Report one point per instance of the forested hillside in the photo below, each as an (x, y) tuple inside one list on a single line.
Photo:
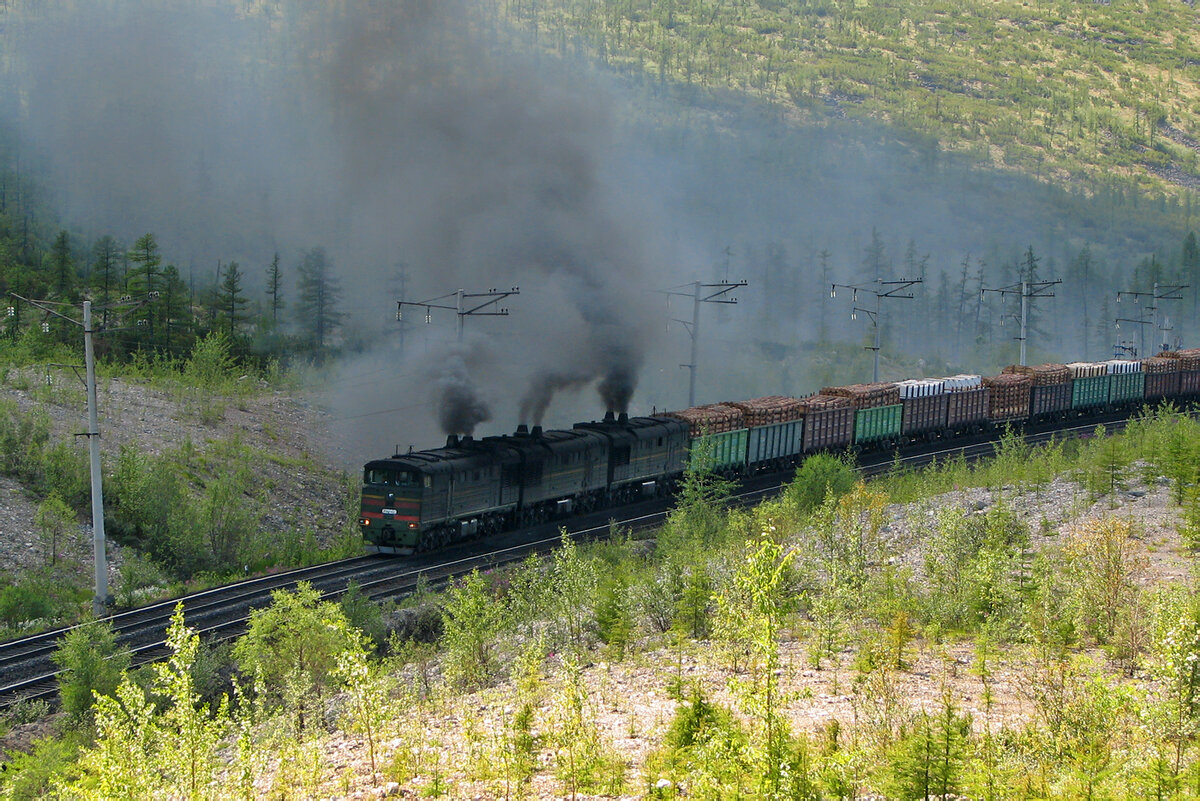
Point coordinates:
[(1090, 94)]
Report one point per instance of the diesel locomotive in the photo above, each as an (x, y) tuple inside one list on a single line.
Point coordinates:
[(424, 500)]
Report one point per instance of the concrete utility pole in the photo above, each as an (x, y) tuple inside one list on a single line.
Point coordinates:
[(896, 292), (461, 306), (701, 293), (1028, 290), (1158, 293), (101, 598)]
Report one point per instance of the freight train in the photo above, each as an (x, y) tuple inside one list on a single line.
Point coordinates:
[(423, 500)]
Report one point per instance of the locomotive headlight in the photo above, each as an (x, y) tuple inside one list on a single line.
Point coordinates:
[(362, 521), (412, 525)]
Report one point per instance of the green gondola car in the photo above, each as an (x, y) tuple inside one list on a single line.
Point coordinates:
[(1126, 387), (727, 451), (878, 424), (1090, 392)]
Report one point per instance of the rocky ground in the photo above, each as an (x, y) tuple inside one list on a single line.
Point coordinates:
[(287, 432)]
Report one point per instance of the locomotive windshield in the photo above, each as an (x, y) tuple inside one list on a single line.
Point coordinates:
[(391, 478)]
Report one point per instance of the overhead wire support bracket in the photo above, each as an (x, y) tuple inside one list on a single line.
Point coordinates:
[(890, 289), (1027, 290), (700, 293), (461, 306)]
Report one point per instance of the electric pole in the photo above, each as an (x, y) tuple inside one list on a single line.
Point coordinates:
[(1028, 290), (1159, 292), (701, 293), (101, 599), (466, 304), (896, 292)]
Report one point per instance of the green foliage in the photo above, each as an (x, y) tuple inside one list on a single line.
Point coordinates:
[(614, 615), (366, 690), (703, 749), (290, 649), (845, 534), (1102, 567), (141, 752), (54, 523), (584, 761), (66, 475), (33, 775), (91, 664), (751, 609), (22, 438), (364, 614), (698, 518), (1105, 464), (974, 564), (571, 586), (471, 619), (927, 760), (821, 476), (210, 365)]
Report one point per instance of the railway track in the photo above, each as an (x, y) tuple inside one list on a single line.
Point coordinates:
[(27, 671)]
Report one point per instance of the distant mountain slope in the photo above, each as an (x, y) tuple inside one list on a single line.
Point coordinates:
[(1079, 93)]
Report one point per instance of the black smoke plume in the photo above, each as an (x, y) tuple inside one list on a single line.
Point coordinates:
[(459, 406)]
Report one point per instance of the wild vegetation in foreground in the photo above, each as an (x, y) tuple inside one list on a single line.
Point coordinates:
[(1022, 628)]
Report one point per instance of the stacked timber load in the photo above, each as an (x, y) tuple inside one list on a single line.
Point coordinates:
[(1189, 358), (769, 410), (1009, 395), (1162, 377), (921, 387), (962, 382), (716, 418), (1043, 375), (1087, 369), (1160, 364), (867, 396), (823, 403), (1051, 392)]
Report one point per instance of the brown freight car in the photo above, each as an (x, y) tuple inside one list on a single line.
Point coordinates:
[(1009, 396), (828, 422)]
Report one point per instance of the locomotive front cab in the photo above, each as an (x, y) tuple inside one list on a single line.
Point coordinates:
[(390, 513)]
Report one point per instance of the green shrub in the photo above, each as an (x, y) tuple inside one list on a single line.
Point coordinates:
[(66, 473), (820, 476), (22, 438), (91, 663), (471, 619), (364, 614), (291, 649), (23, 602), (52, 760)]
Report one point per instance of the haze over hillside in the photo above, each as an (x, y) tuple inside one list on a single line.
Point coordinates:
[(465, 145)]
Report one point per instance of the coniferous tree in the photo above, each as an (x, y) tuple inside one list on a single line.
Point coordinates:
[(144, 283), (61, 267), (317, 302), (275, 289), (60, 280), (231, 302), (106, 278), (1189, 263), (176, 312)]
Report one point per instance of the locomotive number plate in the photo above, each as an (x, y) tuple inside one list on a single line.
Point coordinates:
[(389, 511)]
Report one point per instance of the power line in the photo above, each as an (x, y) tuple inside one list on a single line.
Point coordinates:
[(897, 291), (701, 293)]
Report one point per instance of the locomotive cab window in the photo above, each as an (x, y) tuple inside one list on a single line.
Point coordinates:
[(391, 478)]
